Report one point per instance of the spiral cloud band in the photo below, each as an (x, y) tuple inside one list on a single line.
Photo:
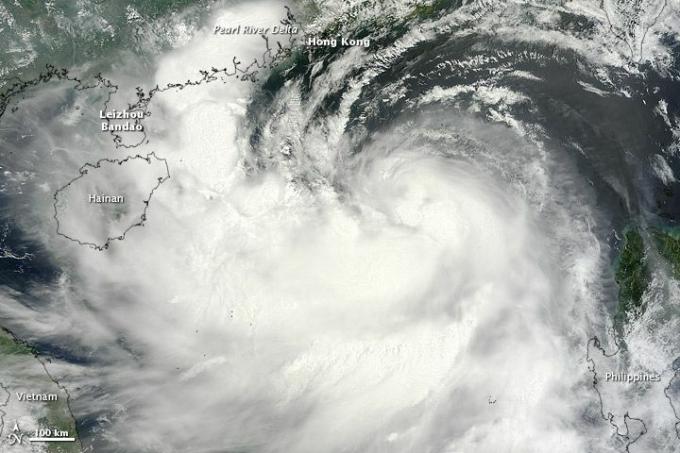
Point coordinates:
[(418, 238)]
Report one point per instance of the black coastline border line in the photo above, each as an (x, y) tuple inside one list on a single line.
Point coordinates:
[(268, 59), (3, 404), (142, 218), (248, 73), (676, 413), (51, 73), (35, 353), (595, 342)]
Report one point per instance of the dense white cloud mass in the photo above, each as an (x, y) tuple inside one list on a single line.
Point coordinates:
[(432, 293), (365, 319), (419, 307)]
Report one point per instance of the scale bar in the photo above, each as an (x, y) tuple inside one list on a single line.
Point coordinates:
[(52, 439)]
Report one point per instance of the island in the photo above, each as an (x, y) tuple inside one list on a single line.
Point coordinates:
[(107, 199)]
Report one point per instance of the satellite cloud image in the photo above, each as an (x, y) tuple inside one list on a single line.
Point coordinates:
[(339, 226)]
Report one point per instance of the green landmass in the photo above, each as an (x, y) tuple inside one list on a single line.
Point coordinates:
[(67, 33), (427, 10), (291, 66), (21, 367), (59, 418), (384, 28), (632, 275), (632, 268), (667, 242), (10, 346)]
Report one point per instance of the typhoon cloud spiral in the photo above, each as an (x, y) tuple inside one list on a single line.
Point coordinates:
[(340, 226)]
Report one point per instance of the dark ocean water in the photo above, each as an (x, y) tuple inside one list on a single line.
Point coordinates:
[(602, 138)]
